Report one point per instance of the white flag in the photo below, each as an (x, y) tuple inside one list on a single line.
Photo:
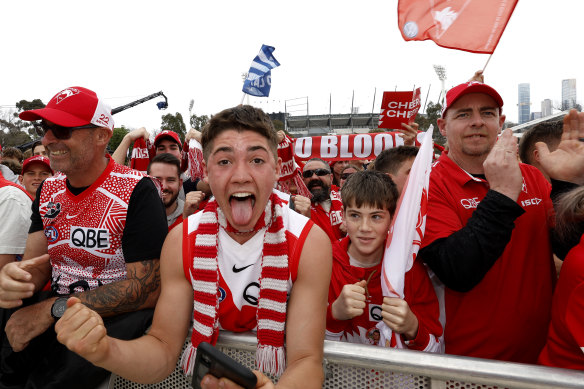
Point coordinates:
[(406, 231)]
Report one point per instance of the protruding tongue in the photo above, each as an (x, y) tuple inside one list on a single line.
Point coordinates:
[(241, 210)]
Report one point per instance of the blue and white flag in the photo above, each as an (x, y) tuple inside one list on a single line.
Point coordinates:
[(259, 77)]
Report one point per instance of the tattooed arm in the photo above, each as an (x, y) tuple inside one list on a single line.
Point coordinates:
[(139, 291)]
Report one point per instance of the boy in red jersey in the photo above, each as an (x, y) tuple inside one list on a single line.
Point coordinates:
[(356, 303)]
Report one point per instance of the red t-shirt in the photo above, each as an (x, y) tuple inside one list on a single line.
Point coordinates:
[(506, 315), (418, 293), (565, 341)]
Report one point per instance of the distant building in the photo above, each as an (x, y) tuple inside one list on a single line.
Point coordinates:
[(568, 93), (281, 116), (546, 108), (523, 103), (535, 115)]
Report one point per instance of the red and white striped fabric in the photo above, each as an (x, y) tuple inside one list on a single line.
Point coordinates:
[(406, 232), (195, 156)]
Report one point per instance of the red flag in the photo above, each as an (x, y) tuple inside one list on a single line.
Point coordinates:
[(469, 25)]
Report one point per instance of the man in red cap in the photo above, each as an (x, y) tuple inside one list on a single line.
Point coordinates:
[(34, 171), (487, 234), (102, 226)]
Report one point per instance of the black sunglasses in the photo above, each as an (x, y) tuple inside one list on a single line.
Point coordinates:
[(344, 176), (59, 132), (318, 172)]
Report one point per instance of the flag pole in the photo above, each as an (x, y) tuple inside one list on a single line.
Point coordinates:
[(488, 59), (242, 98)]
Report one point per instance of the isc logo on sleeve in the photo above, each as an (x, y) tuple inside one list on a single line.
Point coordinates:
[(90, 238)]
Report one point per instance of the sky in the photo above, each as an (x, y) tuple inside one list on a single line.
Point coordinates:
[(126, 50)]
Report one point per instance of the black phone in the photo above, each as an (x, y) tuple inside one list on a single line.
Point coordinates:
[(209, 360)]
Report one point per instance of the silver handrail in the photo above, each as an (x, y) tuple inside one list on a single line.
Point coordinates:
[(435, 366)]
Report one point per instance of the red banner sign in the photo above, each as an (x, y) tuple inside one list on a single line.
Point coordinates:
[(398, 108), (346, 147)]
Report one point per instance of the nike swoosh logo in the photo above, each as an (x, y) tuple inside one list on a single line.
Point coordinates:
[(71, 217), (236, 270)]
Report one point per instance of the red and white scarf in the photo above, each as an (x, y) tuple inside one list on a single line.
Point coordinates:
[(271, 311), (194, 153)]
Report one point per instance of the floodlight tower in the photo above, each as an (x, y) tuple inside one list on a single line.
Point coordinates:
[(441, 72)]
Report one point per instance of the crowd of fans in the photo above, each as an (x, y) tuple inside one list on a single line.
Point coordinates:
[(88, 262)]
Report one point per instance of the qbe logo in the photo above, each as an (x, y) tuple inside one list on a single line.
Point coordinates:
[(90, 238), (470, 203), (52, 234)]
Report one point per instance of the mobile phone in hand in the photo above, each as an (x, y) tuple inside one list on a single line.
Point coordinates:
[(209, 360)]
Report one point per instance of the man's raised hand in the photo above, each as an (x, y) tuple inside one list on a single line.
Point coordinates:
[(502, 167), (566, 163)]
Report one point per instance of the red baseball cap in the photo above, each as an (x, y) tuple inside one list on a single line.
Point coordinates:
[(167, 134), (470, 87), (36, 159), (74, 107)]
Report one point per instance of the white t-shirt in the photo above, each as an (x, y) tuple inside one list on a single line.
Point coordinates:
[(14, 220)]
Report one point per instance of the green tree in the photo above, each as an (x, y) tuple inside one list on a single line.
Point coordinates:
[(278, 125), (433, 112), (198, 122), (174, 123), (116, 138), (25, 105), (11, 133)]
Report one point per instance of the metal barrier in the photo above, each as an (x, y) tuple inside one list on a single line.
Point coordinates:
[(348, 365)]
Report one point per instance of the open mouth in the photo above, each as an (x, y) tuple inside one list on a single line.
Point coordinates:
[(243, 196)]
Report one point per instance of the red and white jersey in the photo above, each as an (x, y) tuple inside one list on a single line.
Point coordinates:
[(84, 232), (565, 341), (240, 267), (329, 221), (419, 294), (506, 315)]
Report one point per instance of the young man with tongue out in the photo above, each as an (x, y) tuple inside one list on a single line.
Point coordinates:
[(252, 263)]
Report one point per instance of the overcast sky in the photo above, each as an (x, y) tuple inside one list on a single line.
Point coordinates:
[(125, 50)]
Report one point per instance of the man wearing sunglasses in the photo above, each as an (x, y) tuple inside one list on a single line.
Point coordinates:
[(325, 207), (102, 226)]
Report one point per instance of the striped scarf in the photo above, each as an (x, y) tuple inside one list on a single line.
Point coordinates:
[(271, 310)]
